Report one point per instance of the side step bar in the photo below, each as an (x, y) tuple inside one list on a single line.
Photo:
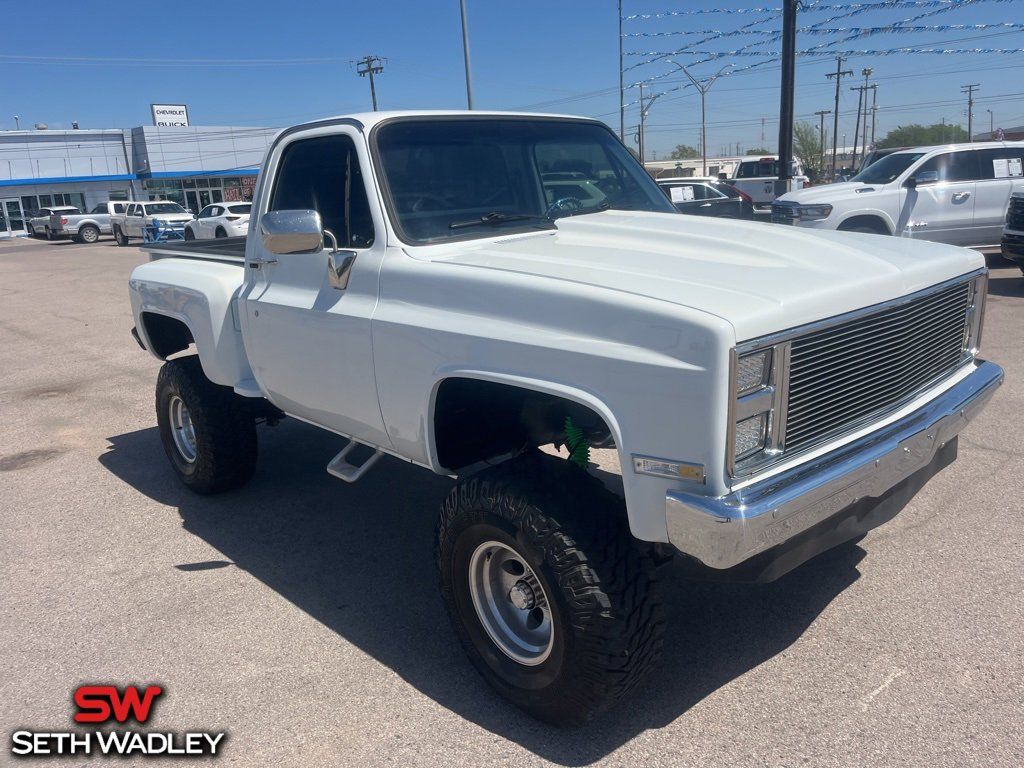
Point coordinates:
[(350, 473)]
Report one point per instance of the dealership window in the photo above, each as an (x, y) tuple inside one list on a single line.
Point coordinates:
[(29, 203)]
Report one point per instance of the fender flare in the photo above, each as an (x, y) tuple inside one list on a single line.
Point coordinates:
[(568, 392)]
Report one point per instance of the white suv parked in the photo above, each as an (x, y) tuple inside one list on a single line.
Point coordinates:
[(220, 220), (954, 194)]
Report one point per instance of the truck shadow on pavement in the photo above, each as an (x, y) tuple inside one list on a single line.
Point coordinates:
[(359, 559)]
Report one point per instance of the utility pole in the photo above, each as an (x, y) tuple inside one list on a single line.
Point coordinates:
[(821, 134), (839, 74), (702, 86), (622, 91), (864, 140), (874, 111), (856, 128), (991, 125), (465, 53), (371, 65), (785, 181), (969, 90), (762, 132)]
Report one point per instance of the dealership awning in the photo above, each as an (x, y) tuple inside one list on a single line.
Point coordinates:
[(66, 180)]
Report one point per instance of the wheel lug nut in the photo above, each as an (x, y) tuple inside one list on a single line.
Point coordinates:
[(521, 596)]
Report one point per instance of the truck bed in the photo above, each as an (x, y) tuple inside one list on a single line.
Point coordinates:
[(226, 249)]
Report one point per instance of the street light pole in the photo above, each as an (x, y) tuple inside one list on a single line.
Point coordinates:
[(644, 109), (702, 86), (991, 125), (17, 123), (465, 52)]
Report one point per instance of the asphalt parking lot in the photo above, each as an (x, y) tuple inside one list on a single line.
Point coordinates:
[(301, 614)]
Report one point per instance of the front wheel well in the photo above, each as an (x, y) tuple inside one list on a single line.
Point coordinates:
[(866, 222), (166, 335), (477, 420)]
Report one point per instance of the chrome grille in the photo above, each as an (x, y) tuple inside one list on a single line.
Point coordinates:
[(851, 372), (783, 214), (1015, 213)]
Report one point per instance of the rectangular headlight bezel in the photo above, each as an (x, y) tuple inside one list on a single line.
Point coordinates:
[(767, 399)]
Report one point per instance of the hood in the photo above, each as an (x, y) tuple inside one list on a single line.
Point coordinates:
[(761, 278), (171, 216), (827, 193)]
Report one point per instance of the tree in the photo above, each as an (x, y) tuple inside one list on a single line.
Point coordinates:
[(807, 147), (758, 151), (683, 152), (915, 135)]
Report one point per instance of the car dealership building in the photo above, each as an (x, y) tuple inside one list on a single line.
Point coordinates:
[(191, 165)]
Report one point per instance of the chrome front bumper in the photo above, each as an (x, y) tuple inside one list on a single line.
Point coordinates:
[(725, 531)]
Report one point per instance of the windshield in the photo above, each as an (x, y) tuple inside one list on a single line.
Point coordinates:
[(468, 177), (888, 168), (164, 208), (240, 209)]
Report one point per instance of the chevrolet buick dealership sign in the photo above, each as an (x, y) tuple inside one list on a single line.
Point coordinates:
[(170, 115)]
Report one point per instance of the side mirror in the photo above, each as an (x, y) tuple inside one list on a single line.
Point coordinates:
[(923, 177), (285, 232)]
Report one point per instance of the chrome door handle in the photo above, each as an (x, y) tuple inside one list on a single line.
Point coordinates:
[(706, 205), (255, 263), (961, 195)]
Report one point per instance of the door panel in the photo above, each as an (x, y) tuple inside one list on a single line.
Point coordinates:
[(309, 343), (941, 212)]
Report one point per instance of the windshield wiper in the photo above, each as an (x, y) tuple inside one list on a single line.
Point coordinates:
[(496, 217)]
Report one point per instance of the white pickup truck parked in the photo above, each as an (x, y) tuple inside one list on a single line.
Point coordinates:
[(86, 227), (756, 177), (139, 215), (417, 283)]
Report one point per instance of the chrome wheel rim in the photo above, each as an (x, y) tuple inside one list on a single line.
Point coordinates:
[(90, 236), (511, 603), (182, 429)]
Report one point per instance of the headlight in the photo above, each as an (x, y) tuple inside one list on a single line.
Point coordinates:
[(972, 332), (813, 212), (750, 436), (752, 371), (755, 414)]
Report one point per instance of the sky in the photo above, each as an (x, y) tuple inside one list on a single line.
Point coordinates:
[(264, 63)]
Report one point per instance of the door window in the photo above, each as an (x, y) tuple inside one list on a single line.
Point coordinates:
[(205, 213), (1001, 163), (953, 166), (323, 174)]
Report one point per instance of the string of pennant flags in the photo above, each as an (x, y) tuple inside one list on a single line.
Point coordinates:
[(812, 7), (712, 55), (858, 31), (775, 35), (764, 39)]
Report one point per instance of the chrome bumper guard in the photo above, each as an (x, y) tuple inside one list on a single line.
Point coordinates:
[(725, 531)]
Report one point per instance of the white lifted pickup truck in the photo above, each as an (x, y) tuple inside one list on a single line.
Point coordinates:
[(421, 284)]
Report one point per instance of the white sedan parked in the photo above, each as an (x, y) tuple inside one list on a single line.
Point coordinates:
[(220, 220)]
